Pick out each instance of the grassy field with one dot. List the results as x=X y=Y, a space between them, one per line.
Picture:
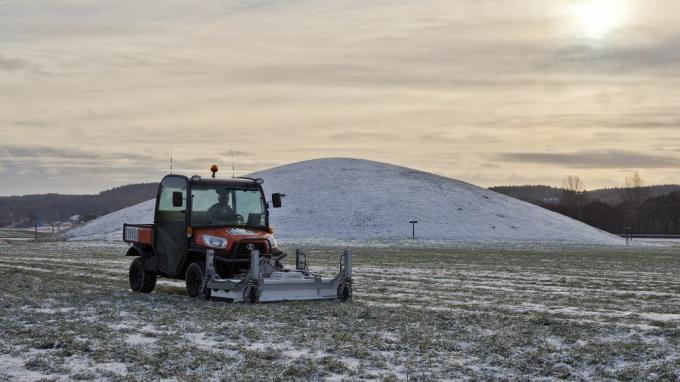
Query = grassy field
x=18 y=233
x=578 y=313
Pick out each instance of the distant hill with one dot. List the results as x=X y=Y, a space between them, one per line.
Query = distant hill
x=535 y=194
x=344 y=199
x=644 y=210
x=541 y=195
x=617 y=195
x=24 y=211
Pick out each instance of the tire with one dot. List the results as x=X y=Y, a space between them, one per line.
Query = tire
x=141 y=280
x=204 y=293
x=250 y=295
x=194 y=279
x=344 y=292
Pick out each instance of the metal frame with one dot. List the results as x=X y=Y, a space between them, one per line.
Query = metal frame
x=255 y=287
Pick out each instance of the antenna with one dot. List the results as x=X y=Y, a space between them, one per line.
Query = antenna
x=233 y=163
x=171 y=160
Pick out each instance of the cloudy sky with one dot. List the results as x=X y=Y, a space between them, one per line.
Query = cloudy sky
x=95 y=94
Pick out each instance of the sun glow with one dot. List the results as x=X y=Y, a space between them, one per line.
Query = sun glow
x=595 y=19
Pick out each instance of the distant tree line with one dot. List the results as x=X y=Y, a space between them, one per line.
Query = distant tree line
x=27 y=210
x=643 y=210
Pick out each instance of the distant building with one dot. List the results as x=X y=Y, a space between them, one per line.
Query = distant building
x=552 y=200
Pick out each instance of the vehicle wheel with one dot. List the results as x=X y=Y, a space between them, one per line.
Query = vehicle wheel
x=204 y=292
x=141 y=280
x=194 y=278
x=344 y=292
x=250 y=295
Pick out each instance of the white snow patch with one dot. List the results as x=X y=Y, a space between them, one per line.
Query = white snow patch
x=120 y=326
x=49 y=310
x=203 y=340
x=139 y=339
x=665 y=317
x=114 y=367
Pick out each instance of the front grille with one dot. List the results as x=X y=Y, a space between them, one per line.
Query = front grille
x=260 y=245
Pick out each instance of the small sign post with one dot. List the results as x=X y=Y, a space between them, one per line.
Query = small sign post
x=38 y=223
x=413 y=224
x=629 y=234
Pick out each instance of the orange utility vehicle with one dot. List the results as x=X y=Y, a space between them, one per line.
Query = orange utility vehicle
x=215 y=234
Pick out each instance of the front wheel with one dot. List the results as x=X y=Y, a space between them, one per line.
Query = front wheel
x=194 y=279
x=141 y=280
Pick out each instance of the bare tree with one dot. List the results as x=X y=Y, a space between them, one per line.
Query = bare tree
x=573 y=183
x=572 y=195
x=635 y=198
x=634 y=180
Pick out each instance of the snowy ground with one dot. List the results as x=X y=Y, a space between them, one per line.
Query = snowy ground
x=418 y=314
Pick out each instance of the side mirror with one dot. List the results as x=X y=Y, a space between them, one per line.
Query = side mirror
x=276 y=199
x=177 y=199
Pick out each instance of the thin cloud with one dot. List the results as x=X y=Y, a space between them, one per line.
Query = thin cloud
x=594 y=159
x=9 y=64
x=363 y=136
x=29 y=153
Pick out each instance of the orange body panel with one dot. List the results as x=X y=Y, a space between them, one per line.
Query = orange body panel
x=145 y=236
x=233 y=236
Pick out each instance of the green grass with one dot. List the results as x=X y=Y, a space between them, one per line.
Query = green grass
x=16 y=233
x=418 y=314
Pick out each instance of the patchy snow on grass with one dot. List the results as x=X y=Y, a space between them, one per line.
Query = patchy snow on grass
x=431 y=313
x=12 y=368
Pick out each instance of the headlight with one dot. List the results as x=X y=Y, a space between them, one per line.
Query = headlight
x=215 y=242
x=272 y=242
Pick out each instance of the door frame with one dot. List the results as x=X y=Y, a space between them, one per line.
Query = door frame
x=156 y=237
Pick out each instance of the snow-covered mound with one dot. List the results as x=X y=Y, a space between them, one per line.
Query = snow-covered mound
x=359 y=199
x=110 y=227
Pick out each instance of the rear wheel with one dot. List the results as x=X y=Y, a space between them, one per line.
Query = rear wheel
x=194 y=279
x=344 y=292
x=141 y=280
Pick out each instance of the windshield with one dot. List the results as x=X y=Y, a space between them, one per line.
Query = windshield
x=220 y=205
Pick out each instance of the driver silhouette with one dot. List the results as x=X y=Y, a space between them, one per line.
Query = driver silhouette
x=222 y=210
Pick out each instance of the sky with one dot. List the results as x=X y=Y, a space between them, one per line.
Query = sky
x=96 y=94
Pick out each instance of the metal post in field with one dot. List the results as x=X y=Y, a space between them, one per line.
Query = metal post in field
x=413 y=224
x=629 y=234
